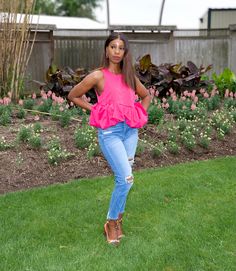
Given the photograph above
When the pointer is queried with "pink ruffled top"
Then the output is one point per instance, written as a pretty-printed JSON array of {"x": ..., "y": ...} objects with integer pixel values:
[{"x": 117, "y": 104}]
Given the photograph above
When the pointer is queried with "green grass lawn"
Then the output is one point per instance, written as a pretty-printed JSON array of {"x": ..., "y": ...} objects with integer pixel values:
[{"x": 178, "y": 218}]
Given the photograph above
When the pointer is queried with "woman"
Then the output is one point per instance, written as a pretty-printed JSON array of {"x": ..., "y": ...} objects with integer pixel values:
[{"x": 117, "y": 116}]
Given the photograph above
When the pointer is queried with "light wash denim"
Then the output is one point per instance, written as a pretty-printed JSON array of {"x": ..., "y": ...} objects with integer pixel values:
[{"x": 118, "y": 144}]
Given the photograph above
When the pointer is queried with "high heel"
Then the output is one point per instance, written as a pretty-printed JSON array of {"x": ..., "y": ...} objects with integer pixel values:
[
  {"x": 110, "y": 232},
  {"x": 119, "y": 228}
]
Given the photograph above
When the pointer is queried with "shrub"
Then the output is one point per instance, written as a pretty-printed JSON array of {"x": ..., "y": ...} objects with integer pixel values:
[
  {"x": 24, "y": 133},
  {"x": 28, "y": 104},
  {"x": 204, "y": 140},
  {"x": 37, "y": 127},
  {"x": 173, "y": 147},
  {"x": 158, "y": 150},
  {"x": 155, "y": 114},
  {"x": 35, "y": 141},
  {"x": 188, "y": 139},
  {"x": 55, "y": 151},
  {"x": 84, "y": 136},
  {"x": 5, "y": 118},
  {"x": 65, "y": 118},
  {"x": 45, "y": 105},
  {"x": 141, "y": 147},
  {"x": 21, "y": 113}
]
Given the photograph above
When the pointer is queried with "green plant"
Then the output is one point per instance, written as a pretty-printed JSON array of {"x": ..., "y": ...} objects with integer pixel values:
[
  {"x": 55, "y": 152},
  {"x": 18, "y": 41},
  {"x": 65, "y": 118},
  {"x": 35, "y": 141},
  {"x": 204, "y": 140},
  {"x": 182, "y": 124},
  {"x": 173, "y": 133},
  {"x": 24, "y": 133},
  {"x": 28, "y": 104},
  {"x": 220, "y": 134},
  {"x": 84, "y": 135},
  {"x": 173, "y": 147},
  {"x": 155, "y": 114},
  {"x": 93, "y": 150},
  {"x": 55, "y": 112},
  {"x": 5, "y": 118},
  {"x": 21, "y": 113},
  {"x": 158, "y": 149},
  {"x": 4, "y": 145},
  {"x": 140, "y": 147},
  {"x": 45, "y": 105},
  {"x": 225, "y": 80},
  {"x": 37, "y": 127},
  {"x": 223, "y": 121},
  {"x": 212, "y": 103},
  {"x": 229, "y": 103},
  {"x": 188, "y": 139}
]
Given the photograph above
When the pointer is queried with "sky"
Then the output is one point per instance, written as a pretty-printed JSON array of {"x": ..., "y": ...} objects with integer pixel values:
[{"x": 184, "y": 14}]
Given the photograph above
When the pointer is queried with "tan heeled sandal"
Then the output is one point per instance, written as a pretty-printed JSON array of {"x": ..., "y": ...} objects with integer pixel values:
[
  {"x": 119, "y": 228},
  {"x": 110, "y": 228}
]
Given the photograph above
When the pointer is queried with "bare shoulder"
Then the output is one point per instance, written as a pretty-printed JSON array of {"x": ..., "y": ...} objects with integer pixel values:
[{"x": 96, "y": 75}]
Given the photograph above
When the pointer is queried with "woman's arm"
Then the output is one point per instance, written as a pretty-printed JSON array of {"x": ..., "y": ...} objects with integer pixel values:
[
  {"x": 143, "y": 93},
  {"x": 93, "y": 80}
]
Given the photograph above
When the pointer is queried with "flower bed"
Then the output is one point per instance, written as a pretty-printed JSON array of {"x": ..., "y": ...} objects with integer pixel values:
[{"x": 45, "y": 140}]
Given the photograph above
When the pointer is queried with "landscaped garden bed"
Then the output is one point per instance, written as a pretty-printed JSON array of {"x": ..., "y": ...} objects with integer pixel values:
[{"x": 45, "y": 140}]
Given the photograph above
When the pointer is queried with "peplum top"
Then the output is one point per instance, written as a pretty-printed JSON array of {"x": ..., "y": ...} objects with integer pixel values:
[{"x": 117, "y": 104}]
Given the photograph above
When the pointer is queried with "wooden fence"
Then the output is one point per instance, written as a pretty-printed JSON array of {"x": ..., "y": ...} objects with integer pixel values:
[{"x": 83, "y": 48}]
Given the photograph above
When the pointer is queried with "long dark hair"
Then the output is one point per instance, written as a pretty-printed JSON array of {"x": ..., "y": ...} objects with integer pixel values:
[{"x": 126, "y": 65}]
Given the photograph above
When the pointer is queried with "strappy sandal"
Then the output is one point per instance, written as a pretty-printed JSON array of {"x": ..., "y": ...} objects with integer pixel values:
[
  {"x": 111, "y": 225},
  {"x": 119, "y": 229}
]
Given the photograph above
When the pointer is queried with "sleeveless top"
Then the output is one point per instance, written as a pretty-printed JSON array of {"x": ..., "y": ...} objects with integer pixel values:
[{"x": 117, "y": 104}]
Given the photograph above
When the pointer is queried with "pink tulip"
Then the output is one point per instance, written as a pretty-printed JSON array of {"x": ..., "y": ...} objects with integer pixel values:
[
  {"x": 44, "y": 96},
  {"x": 174, "y": 98},
  {"x": 202, "y": 90},
  {"x": 171, "y": 90},
  {"x": 193, "y": 93},
  {"x": 195, "y": 100},
  {"x": 206, "y": 95},
  {"x": 34, "y": 96},
  {"x": 20, "y": 102},
  {"x": 164, "y": 100},
  {"x": 226, "y": 93},
  {"x": 6, "y": 100},
  {"x": 151, "y": 91},
  {"x": 49, "y": 93},
  {"x": 193, "y": 107}
]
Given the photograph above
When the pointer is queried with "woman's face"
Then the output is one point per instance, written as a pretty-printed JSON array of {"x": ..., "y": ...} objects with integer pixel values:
[{"x": 115, "y": 51}]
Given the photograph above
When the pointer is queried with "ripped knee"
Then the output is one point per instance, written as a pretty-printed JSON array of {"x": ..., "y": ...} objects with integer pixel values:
[
  {"x": 131, "y": 161},
  {"x": 130, "y": 179}
]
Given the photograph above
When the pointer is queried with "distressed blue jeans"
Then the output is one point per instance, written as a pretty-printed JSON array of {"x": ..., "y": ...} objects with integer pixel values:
[{"x": 118, "y": 144}]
